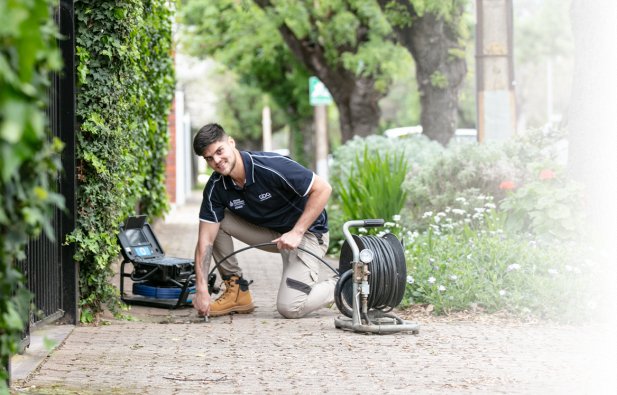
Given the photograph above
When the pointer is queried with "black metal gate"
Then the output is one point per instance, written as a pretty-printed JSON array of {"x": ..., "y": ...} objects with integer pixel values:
[{"x": 49, "y": 268}]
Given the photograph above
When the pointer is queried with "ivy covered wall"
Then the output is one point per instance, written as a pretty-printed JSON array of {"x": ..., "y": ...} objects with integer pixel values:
[{"x": 125, "y": 87}]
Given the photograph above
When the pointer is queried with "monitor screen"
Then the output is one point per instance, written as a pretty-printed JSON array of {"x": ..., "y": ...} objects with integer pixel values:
[
  {"x": 143, "y": 251},
  {"x": 136, "y": 237}
]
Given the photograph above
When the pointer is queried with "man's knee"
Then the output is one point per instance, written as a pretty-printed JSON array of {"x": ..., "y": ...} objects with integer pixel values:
[
  {"x": 291, "y": 302},
  {"x": 287, "y": 310}
]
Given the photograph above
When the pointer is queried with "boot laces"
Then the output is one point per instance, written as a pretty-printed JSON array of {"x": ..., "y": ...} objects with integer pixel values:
[{"x": 227, "y": 294}]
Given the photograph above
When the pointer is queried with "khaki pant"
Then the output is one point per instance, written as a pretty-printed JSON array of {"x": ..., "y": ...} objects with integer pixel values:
[{"x": 300, "y": 293}]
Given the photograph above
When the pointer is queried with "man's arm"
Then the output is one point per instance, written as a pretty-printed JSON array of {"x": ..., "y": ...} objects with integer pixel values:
[
  {"x": 318, "y": 197},
  {"x": 203, "y": 256}
]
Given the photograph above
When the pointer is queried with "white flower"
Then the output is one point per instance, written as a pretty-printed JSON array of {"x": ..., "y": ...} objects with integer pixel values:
[
  {"x": 410, "y": 280},
  {"x": 441, "y": 288},
  {"x": 437, "y": 219},
  {"x": 514, "y": 266},
  {"x": 431, "y": 280},
  {"x": 396, "y": 218},
  {"x": 427, "y": 214},
  {"x": 469, "y": 256},
  {"x": 460, "y": 199},
  {"x": 490, "y": 205},
  {"x": 502, "y": 292},
  {"x": 454, "y": 277},
  {"x": 390, "y": 224},
  {"x": 458, "y": 211},
  {"x": 362, "y": 230},
  {"x": 553, "y": 272}
]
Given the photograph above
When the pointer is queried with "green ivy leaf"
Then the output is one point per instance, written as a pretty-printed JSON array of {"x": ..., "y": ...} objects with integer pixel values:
[{"x": 12, "y": 320}]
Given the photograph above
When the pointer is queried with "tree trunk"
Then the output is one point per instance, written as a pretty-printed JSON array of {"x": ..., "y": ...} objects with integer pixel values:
[
  {"x": 355, "y": 97},
  {"x": 440, "y": 71},
  {"x": 357, "y": 101}
]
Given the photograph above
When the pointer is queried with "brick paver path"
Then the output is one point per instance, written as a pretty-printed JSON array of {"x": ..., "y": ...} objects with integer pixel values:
[{"x": 171, "y": 352}]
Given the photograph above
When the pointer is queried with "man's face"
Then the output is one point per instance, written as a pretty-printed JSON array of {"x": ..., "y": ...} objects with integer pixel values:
[{"x": 220, "y": 156}]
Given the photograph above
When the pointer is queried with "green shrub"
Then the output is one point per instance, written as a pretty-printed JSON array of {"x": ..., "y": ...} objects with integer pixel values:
[
  {"x": 549, "y": 206},
  {"x": 372, "y": 189},
  {"x": 419, "y": 151},
  {"x": 471, "y": 170},
  {"x": 462, "y": 171},
  {"x": 466, "y": 261}
]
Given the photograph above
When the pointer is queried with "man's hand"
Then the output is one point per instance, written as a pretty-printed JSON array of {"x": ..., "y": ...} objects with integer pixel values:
[
  {"x": 317, "y": 198},
  {"x": 201, "y": 302},
  {"x": 289, "y": 241}
]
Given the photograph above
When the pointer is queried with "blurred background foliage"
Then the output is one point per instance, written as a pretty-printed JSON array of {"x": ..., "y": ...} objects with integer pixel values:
[{"x": 245, "y": 40}]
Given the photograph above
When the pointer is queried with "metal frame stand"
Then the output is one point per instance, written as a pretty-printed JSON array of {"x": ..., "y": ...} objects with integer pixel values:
[{"x": 363, "y": 320}]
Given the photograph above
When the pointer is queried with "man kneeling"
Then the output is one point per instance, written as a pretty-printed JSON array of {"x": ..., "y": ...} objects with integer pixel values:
[{"x": 260, "y": 197}]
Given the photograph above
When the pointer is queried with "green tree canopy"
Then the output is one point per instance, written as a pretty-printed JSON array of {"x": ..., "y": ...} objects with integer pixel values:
[
  {"x": 279, "y": 45},
  {"x": 350, "y": 45}
]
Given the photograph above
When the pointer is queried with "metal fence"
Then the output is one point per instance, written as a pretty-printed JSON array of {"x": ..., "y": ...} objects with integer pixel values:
[{"x": 49, "y": 268}]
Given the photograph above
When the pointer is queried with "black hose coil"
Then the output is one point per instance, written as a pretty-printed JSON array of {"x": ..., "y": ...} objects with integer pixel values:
[{"x": 388, "y": 272}]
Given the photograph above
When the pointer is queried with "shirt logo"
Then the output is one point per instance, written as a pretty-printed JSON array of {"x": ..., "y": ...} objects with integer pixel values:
[
  {"x": 265, "y": 196},
  {"x": 236, "y": 204}
]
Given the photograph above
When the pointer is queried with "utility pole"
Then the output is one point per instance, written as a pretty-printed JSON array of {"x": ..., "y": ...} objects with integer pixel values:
[
  {"x": 321, "y": 141},
  {"x": 320, "y": 97},
  {"x": 496, "y": 103},
  {"x": 266, "y": 126}
]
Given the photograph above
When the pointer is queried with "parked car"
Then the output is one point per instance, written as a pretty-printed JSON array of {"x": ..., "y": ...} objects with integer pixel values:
[{"x": 463, "y": 135}]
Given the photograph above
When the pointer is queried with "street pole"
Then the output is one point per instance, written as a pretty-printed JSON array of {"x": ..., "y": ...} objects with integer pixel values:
[
  {"x": 496, "y": 103},
  {"x": 266, "y": 125},
  {"x": 321, "y": 141},
  {"x": 320, "y": 97}
]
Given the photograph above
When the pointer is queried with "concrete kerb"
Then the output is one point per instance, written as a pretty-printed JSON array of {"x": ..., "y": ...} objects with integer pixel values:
[{"x": 43, "y": 341}]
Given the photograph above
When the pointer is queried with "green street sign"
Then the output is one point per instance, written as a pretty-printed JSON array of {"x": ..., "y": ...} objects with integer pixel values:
[{"x": 318, "y": 93}]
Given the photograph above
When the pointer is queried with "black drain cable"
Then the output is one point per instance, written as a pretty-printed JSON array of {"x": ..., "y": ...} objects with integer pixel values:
[
  {"x": 217, "y": 264},
  {"x": 387, "y": 280},
  {"x": 385, "y": 275}
]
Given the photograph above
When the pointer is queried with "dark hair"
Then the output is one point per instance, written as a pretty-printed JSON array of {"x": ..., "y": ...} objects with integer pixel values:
[{"x": 209, "y": 134}]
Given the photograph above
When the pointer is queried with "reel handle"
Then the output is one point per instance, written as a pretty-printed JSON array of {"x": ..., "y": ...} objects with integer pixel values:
[
  {"x": 369, "y": 223},
  {"x": 373, "y": 223}
]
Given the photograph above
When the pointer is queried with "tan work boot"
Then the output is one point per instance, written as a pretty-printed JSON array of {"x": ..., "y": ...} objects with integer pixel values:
[{"x": 235, "y": 299}]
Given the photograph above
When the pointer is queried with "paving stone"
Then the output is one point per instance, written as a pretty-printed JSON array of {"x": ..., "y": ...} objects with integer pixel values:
[{"x": 172, "y": 352}]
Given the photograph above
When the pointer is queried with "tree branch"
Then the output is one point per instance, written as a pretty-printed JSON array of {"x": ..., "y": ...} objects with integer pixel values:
[{"x": 308, "y": 52}]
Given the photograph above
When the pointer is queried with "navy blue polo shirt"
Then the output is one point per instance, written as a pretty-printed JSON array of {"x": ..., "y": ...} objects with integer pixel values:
[{"x": 273, "y": 196}]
